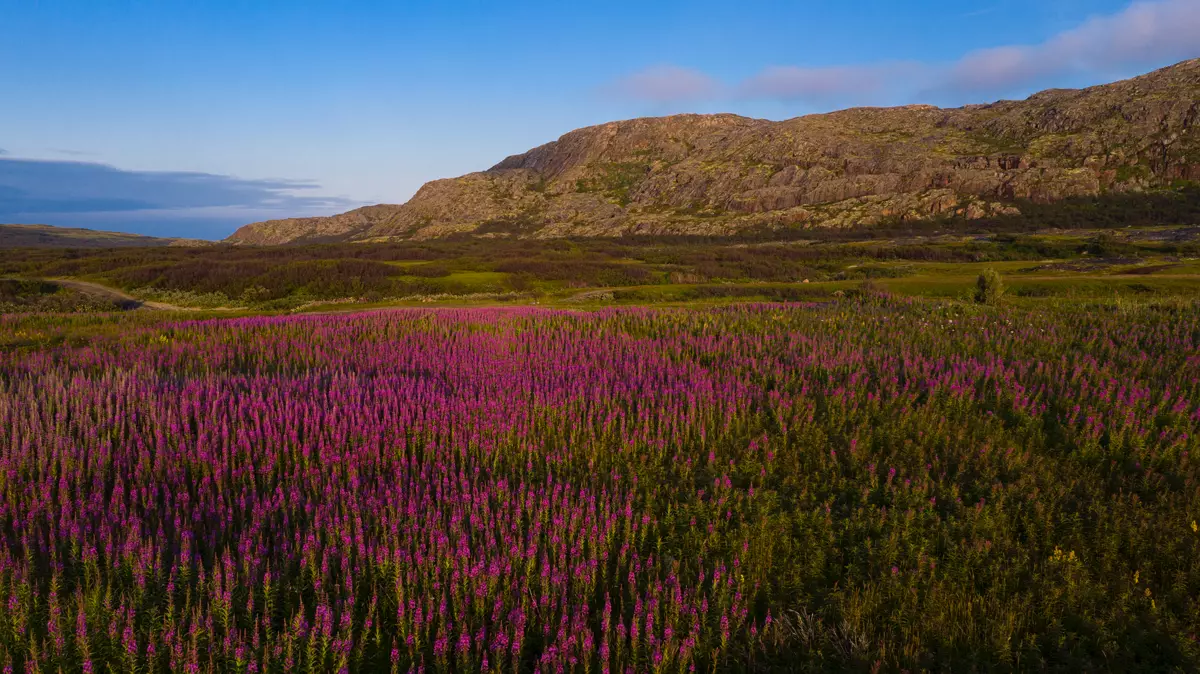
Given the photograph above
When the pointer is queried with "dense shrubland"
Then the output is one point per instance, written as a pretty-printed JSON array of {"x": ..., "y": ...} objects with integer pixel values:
[
  {"x": 289, "y": 275},
  {"x": 37, "y": 296},
  {"x": 871, "y": 483}
]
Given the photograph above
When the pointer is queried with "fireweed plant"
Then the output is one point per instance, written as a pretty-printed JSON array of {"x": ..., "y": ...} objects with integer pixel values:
[{"x": 874, "y": 483}]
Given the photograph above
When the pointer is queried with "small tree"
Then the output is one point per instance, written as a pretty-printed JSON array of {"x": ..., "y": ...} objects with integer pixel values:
[
  {"x": 989, "y": 288},
  {"x": 1103, "y": 244}
]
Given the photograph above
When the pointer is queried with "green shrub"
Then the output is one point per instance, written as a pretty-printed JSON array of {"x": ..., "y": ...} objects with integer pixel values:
[{"x": 989, "y": 289}]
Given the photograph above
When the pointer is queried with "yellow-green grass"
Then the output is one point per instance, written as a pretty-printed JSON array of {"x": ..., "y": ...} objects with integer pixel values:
[
  {"x": 472, "y": 281},
  {"x": 477, "y": 278},
  {"x": 1036, "y": 286}
]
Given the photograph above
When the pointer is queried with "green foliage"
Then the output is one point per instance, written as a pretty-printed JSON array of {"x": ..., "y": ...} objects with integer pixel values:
[
  {"x": 254, "y": 294},
  {"x": 994, "y": 144},
  {"x": 208, "y": 300},
  {"x": 901, "y": 485},
  {"x": 430, "y": 270},
  {"x": 1129, "y": 172},
  {"x": 523, "y": 223},
  {"x": 25, "y": 296},
  {"x": 1108, "y": 211},
  {"x": 17, "y": 289},
  {"x": 287, "y": 276},
  {"x": 989, "y": 288},
  {"x": 580, "y": 273},
  {"x": 616, "y": 180},
  {"x": 1106, "y": 244},
  {"x": 539, "y": 186}
]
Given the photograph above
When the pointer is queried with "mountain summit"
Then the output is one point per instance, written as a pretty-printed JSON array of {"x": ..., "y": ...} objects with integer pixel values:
[{"x": 718, "y": 174}]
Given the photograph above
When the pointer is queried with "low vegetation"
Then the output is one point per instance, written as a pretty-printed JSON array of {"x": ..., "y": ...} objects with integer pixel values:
[
  {"x": 989, "y": 288},
  {"x": 1092, "y": 239},
  {"x": 871, "y": 483},
  {"x": 36, "y": 296}
]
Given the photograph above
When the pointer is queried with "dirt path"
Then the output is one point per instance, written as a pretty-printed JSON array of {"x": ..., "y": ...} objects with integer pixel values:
[{"x": 126, "y": 301}]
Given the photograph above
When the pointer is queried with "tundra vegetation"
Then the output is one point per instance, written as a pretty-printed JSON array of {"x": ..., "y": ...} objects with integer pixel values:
[
  {"x": 872, "y": 482},
  {"x": 879, "y": 390},
  {"x": 816, "y": 450},
  {"x": 1144, "y": 245}
]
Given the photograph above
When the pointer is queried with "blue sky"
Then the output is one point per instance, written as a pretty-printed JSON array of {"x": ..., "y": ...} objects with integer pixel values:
[{"x": 187, "y": 118}]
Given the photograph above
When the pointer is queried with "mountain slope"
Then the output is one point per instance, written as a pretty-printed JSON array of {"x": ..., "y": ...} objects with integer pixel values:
[
  {"x": 717, "y": 174},
  {"x": 48, "y": 236}
]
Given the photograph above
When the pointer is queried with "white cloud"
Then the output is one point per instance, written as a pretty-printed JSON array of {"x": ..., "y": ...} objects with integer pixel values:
[
  {"x": 834, "y": 83},
  {"x": 1145, "y": 33},
  {"x": 666, "y": 83},
  {"x": 73, "y": 193}
]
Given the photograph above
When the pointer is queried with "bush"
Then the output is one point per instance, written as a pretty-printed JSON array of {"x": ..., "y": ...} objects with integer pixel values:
[
  {"x": 869, "y": 288},
  {"x": 989, "y": 289},
  {"x": 429, "y": 270}
]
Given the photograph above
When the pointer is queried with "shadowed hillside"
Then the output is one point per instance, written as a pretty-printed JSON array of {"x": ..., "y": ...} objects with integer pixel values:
[{"x": 47, "y": 236}]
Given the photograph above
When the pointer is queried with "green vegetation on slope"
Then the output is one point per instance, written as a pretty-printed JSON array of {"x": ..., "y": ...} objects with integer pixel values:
[{"x": 1117, "y": 245}]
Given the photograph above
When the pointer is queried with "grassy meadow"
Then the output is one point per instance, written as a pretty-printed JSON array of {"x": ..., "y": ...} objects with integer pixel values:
[
  {"x": 621, "y": 455},
  {"x": 874, "y": 482},
  {"x": 1075, "y": 264}
]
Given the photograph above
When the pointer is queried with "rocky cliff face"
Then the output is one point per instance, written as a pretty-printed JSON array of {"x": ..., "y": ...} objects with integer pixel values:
[{"x": 717, "y": 174}]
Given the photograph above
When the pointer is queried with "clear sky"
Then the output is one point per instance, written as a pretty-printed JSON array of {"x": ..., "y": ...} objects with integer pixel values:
[{"x": 191, "y": 118}]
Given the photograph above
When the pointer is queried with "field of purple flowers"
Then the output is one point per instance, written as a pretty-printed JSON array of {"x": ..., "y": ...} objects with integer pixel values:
[{"x": 870, "y": 484}]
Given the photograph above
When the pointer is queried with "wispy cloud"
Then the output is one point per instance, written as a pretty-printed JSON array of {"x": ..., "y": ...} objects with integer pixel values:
[
  {"x": 1144, "y": 33},
  {"x": 666, "y": 83},
  {"x": 838, "y": 83},
  {"x": 71, "y": 153},
  {"x": 980, "y": 12},
  {"x": 82, "y": 193}
]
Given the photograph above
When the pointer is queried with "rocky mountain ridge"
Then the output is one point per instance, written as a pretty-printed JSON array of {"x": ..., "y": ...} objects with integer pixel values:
[{"x": 720, "y": 174}]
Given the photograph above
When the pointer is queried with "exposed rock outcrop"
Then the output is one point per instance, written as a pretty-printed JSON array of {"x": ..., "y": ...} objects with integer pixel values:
[{"x": 717, "y": 174}]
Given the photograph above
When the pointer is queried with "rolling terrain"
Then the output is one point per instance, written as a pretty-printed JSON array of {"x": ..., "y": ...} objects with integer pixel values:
[
  {"x": 716, "y": 175},
  {"x": 48, "y": 236}
]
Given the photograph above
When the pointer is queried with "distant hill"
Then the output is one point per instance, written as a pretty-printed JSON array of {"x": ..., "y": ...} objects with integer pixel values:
[
  {"x": 721, "y": 174},
  {"x": 47, "y": 236}
]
